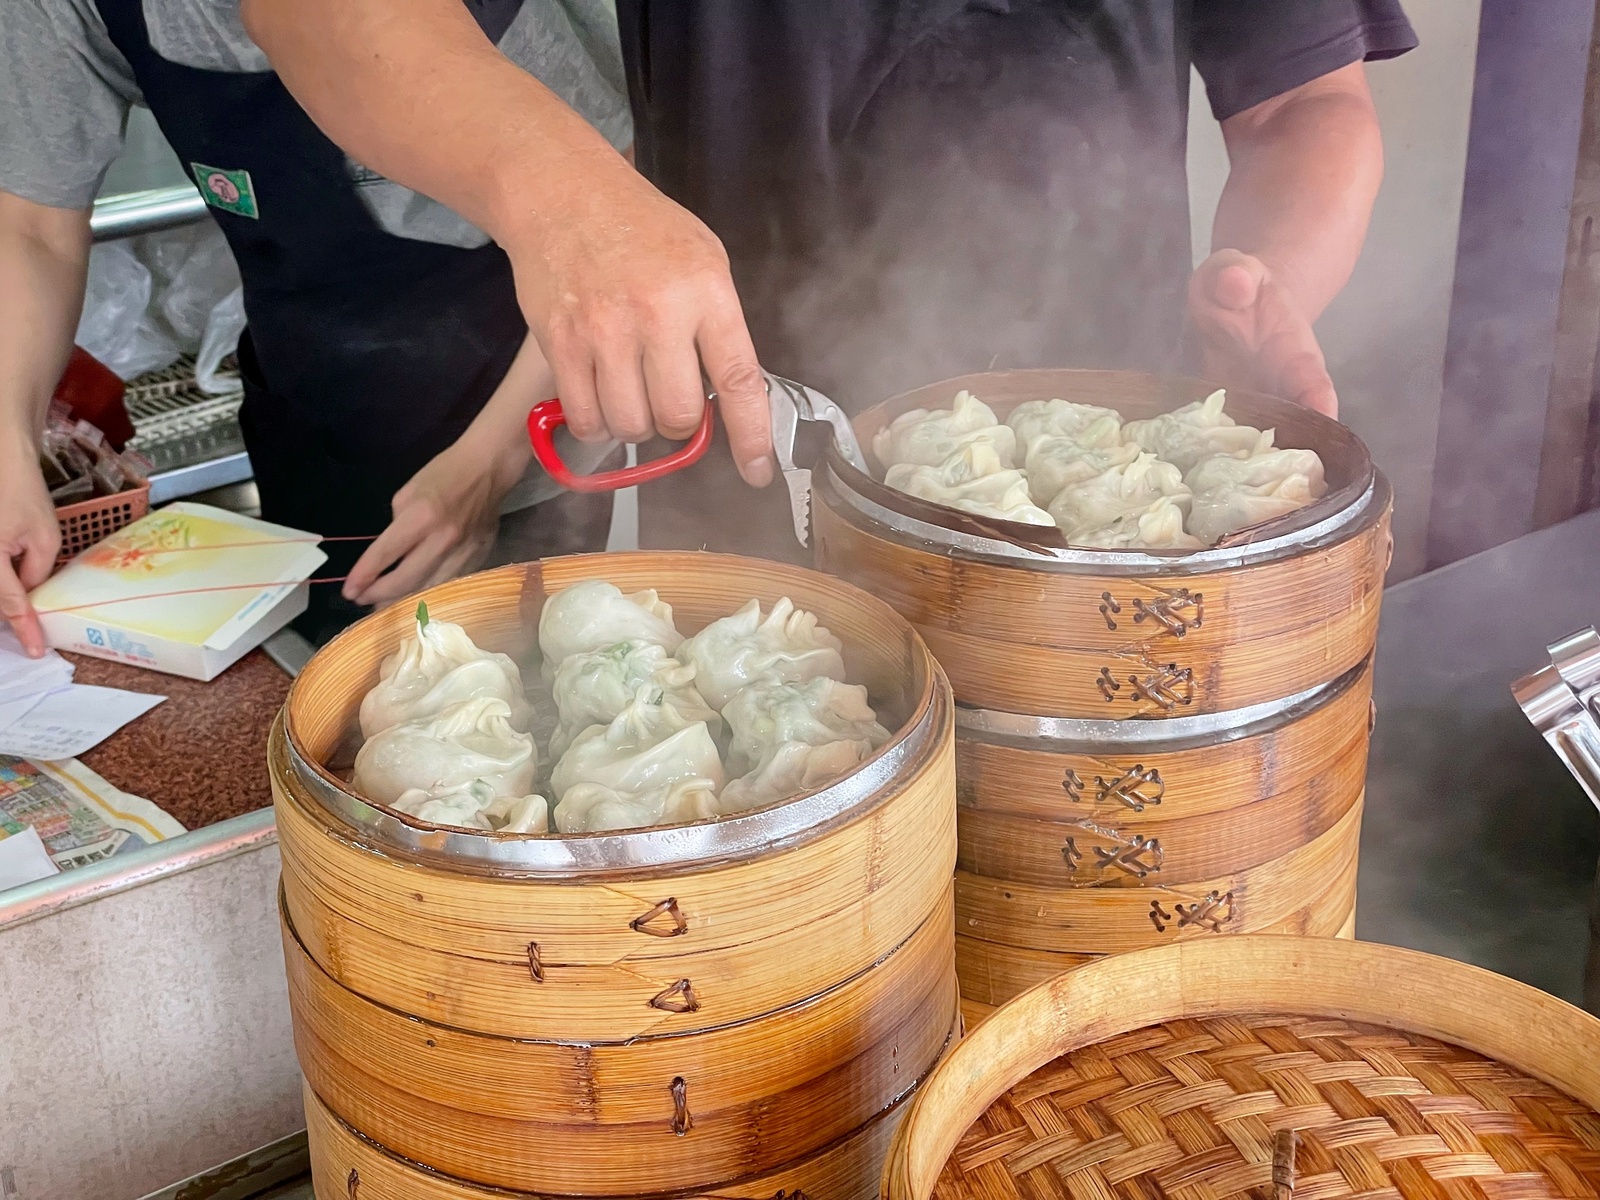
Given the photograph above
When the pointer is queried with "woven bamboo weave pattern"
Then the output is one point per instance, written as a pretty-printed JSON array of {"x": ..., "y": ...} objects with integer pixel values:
[{"x": 1191, "y": 1110}]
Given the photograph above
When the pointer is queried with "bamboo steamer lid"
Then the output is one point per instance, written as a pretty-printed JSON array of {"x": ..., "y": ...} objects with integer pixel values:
[
  {"x": 1024, "y": 624},
  {"x": 1314, "y": 1067}
]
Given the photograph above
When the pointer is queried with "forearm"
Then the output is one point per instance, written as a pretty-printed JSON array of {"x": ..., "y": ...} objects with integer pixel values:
[
  {"x": 44, "y": 257},
  {"x": 1305, "y": 171},
  {"x": 498, "y": 434},
  {"x": 413, "y": 90}
]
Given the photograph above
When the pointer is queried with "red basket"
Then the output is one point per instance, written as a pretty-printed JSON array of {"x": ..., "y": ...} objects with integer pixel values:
[{"x": 89, "y": 521}]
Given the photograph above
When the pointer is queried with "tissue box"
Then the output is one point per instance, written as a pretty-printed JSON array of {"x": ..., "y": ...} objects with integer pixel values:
[{"x": 188, "y": 590}]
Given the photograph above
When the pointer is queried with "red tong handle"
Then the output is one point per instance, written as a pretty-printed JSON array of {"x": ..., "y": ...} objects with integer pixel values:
[{"x": 547, "y": 416}]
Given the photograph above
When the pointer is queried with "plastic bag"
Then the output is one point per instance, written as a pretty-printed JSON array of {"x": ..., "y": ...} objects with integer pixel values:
[
  {"x": 156, "y": 297},
  {"x": 118, "y": 326},
  {"x": 223, "y": 327}
]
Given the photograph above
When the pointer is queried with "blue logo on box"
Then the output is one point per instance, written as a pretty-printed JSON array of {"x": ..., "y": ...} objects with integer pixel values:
[{"x": 96, "y": 637}]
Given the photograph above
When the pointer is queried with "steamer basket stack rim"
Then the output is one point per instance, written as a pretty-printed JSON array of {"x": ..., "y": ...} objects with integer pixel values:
[
  {"x": 626, "y": 852},
  {"x": 1357, "y": 492}
]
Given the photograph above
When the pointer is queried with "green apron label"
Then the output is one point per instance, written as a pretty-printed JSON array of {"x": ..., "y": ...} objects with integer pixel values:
[{"x": 231, "y": 191}]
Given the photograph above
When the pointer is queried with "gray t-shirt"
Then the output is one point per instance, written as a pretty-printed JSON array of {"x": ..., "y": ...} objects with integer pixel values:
[{"x": 65, "y": 90}]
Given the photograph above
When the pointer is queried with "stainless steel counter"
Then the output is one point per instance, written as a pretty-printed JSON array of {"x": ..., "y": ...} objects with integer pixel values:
[{"x": 1477, "y": 844}]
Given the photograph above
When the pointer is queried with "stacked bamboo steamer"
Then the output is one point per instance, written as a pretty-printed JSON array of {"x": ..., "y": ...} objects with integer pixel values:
[
  {"x": 1151, "y": 746},
  {"x": 735, "y": 1008},
  {"x": 1263, "y": 1066}
]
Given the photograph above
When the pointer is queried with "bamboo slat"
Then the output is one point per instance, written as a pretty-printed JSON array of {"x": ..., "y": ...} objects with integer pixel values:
[
  {"x": 1129, "y": 785},
  {"x": 1095, "y": 850},
  {"x": 340, "y": 1157},
  {"x": 992, "y": 973},
  {"x": 653, "y": 1115},
  {"x": 757, "y": 935},
  {"x": 1312, "y": 1067},
  {"x": 1110, "y": 920}
]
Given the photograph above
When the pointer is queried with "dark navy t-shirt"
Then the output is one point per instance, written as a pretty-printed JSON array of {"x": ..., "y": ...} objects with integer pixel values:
[{"x": 911, "y": 189}]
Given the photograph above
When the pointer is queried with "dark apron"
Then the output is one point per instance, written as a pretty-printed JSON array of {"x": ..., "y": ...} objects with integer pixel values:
[
  {"x": 367, "y": 354},
  {"x": 914, "y": 189}
]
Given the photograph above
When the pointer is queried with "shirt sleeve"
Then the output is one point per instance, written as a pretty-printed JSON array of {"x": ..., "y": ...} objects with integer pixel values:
[
  {"x": 65, "y": 91},
  {"x": 1248, "y": 51}
]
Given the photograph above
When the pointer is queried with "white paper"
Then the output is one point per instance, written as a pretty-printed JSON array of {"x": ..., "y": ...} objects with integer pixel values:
[
  {"x": 23, "y": 859},
  {"x": 74, "y": 720},
  {"x": 21, "y": 676},
  {"x": 12, "y": 711}
]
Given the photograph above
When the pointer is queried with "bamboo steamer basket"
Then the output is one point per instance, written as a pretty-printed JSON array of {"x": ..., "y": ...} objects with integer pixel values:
[
  {"x": 1165, "y": 811},
  {"x": 1023, "y": 624},
  {"x": 1256, "y": 1066},
  {"x": 677, "y": 1008},
  {"x": 344, "y": 1163},
  {"x": 1149, "y": 745}
]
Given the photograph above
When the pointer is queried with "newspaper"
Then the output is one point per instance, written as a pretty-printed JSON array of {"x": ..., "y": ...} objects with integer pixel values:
[{"x": 79, "y": 816}]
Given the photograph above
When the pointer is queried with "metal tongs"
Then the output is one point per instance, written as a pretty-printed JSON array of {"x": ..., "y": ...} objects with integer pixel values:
[
  {"x": 790, "y": 403},
  {"x": 1563, "y": 702}
]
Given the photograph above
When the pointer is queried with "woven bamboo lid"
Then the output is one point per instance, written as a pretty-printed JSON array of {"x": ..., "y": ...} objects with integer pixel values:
[
  {"x": 1281, "y": 1068},
  {"x": 1302, "y": 1106}
]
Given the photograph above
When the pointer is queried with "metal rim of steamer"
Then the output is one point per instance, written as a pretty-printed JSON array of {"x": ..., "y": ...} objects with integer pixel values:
[
  {"x": 840, "y": 482},
  {"x": 627, "y": 853},
  {"x": 1169, "y": 734}
]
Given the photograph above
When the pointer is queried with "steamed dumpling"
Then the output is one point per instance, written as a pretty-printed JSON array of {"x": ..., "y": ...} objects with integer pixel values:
[
  {"x": 1085, "y": 424},
  {"x": 460, "y": 808},
  {"x": 1231, "y": 494},
  {"x": 973, "y": 480},
  {"x": 592, "y": 688},
  {"x": 1120, "y": 491},
  {"x": 1159, "y": 526},
  {"x": 1056, "y": 462},
  {"x": 475, "y": 807},
  {"x": 648, "y": 745},
  {"x": 1197, "y": 431},
  {"x": 924, "y": 438},
  {"x": 470, "y": 741},
  {"x": 793, "y": 769},
  {"x": 438, "y": 666},
  {"x": 595, "y": 614},
  {"x": 595, "y": 808},
  {"x": 767, "y": 715},
  {"x": 787, "y": 645},
  {"x": 519, "y": 814}
]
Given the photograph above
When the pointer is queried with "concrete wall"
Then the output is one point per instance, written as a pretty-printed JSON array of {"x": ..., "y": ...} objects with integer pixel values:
[{"x": 1385, "y": 336}]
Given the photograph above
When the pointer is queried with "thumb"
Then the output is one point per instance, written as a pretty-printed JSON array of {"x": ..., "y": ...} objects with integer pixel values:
[{"x": 1233, "y": 280}]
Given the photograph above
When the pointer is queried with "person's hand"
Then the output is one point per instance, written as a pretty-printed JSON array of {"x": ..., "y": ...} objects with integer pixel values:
[
  {"x": 29, "y": 539},
  {"x": 1252, "y": 335},
  {"x": 629, "y": 295},
  {"x": 445, "y": 520}
]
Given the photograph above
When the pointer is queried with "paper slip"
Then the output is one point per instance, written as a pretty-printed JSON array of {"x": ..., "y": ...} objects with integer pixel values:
[
  {"x": 23, "y": 859},
  {"x": 21, "y": 676},
  {"x": 67, "y": 723},
  {"x": 12, "y": 711}
]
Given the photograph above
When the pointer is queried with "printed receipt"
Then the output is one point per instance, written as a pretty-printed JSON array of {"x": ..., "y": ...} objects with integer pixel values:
[{"x": 68, "y": 722}]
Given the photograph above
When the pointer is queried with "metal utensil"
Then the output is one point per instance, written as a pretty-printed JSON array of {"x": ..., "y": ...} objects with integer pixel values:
[{"x": 1563, "y": 702}]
